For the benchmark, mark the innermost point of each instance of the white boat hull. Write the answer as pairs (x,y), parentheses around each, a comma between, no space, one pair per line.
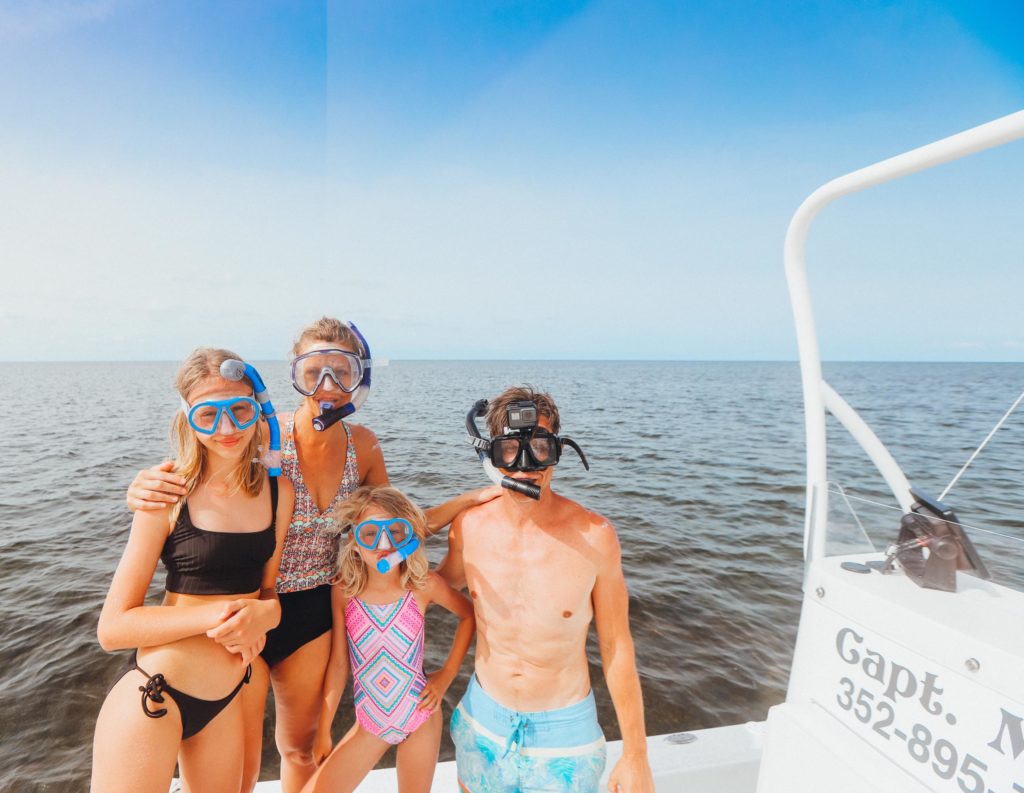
(717,760)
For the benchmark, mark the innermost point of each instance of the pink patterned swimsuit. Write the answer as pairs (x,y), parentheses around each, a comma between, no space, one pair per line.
(385,645)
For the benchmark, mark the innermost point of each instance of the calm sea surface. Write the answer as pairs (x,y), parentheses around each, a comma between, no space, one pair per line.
(700,467)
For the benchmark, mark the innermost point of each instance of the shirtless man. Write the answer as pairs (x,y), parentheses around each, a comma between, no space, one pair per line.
(538,571)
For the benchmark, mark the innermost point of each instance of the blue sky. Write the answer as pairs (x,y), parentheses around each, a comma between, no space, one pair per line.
(522,180)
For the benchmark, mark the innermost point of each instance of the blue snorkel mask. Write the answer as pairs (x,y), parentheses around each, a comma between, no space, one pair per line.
(394,533)
(349,372)
(236,370)
(205,417)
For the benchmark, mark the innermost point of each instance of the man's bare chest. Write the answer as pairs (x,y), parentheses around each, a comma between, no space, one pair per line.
(529,580)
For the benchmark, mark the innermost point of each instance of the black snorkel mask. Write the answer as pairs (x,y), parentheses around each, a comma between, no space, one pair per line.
(522,447)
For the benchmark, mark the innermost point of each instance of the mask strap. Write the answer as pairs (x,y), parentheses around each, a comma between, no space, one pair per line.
(565,441)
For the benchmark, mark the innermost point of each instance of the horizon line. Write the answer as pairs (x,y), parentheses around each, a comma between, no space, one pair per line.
(387,361)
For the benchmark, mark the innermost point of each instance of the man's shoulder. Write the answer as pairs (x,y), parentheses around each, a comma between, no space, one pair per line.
(474,518)
(575,513)
(595,527)
(478,513)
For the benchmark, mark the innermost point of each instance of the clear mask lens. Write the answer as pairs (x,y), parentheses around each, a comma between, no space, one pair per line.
(541,451)
(342,370)
(544,449)
(504,451)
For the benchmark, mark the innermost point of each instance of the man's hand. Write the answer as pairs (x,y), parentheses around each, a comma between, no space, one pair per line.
(155,488)
(632,774)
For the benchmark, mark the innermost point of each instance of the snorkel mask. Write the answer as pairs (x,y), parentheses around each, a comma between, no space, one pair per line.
(236,370)
(349,372)
(394,533)
(522,447)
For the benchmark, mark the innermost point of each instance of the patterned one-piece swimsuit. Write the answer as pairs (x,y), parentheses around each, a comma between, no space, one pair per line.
(385,645)
(311,545)
(309,556)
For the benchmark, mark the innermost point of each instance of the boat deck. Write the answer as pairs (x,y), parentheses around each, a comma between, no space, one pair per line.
(717,760)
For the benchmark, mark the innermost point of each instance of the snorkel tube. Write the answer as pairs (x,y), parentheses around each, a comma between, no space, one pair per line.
(235,370)
(481,446)
(400,554)
(332,415)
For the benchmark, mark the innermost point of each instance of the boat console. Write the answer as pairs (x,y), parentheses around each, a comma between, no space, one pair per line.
(906,675)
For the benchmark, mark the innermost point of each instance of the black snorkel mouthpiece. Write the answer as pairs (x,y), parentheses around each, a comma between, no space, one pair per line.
(483,448)
(330,416)
(519,486)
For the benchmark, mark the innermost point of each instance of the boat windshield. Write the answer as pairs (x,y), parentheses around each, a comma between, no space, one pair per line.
(865,526)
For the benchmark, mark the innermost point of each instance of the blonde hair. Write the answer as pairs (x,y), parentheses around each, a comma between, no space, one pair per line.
(350,572)
(190,454)
(330,330)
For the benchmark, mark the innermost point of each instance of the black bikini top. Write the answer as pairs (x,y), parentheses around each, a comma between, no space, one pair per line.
(201,562)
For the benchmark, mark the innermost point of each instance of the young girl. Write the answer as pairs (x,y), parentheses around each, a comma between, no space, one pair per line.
(221,546)
(378,628)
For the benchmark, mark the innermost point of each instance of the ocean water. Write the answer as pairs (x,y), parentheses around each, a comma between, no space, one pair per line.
(700,466)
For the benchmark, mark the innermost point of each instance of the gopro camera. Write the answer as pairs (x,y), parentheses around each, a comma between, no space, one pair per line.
(522,415)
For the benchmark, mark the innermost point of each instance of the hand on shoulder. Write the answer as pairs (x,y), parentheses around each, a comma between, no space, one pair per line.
(155,488)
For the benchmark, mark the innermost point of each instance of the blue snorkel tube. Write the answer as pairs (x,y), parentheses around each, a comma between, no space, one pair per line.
(400,554)
(236,370)
(329,417)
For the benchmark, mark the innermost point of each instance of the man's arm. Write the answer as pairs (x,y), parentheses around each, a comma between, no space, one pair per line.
(440,516)
(611,616)
(451,568)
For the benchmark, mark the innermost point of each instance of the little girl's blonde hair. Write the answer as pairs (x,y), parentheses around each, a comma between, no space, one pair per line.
(351,570)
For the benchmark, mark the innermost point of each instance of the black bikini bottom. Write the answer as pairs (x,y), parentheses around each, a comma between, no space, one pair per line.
(305,615)
(195,713)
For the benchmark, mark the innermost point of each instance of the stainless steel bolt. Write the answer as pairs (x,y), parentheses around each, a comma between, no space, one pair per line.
(972,664)
(820,592)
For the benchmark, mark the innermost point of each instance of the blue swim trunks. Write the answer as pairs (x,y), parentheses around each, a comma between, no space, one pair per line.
(498,750)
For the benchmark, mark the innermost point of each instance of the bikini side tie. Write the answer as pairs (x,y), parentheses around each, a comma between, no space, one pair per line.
(153,690)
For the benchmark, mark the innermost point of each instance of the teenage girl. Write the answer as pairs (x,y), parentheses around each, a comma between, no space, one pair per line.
(178,698)
(325,468)
(378,630)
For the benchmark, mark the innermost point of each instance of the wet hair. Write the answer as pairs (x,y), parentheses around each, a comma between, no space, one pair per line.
(497,408)
(190,454)
(350,571)
(327,329)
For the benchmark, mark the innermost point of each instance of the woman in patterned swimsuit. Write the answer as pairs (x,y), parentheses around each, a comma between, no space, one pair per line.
(297,652)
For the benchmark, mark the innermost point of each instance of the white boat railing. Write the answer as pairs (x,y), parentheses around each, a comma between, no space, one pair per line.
(819,397)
